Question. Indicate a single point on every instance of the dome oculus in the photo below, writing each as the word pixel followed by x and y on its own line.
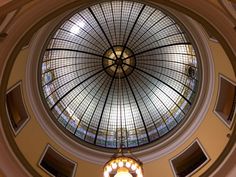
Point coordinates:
pixel 136 45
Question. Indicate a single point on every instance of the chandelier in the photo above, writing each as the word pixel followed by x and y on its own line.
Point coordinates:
pixel 121 165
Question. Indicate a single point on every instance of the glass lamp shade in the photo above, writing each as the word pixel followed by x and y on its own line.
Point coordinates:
pixel 123 172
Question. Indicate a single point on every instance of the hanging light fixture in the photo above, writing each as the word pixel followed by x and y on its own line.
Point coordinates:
pixel 121 165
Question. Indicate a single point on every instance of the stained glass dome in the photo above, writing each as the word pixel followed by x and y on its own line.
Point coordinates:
pixel 119 69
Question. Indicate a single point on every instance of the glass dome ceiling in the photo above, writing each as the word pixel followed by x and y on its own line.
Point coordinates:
pixel 119 69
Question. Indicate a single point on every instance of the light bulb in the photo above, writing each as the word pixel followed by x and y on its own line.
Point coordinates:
pixel 109 169
pixel 128 164
pixel 133 167
pixel 114 165
pixel 106 174
pixel 120 164
pixel 138 171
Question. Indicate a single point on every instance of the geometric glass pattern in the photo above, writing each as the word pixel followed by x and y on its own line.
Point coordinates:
pixel 120 69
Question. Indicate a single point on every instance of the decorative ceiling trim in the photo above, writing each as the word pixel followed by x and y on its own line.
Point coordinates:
pixel 13 5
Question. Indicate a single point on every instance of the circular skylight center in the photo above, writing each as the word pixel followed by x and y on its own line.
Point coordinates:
pixel 119 62
pixel 119 72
